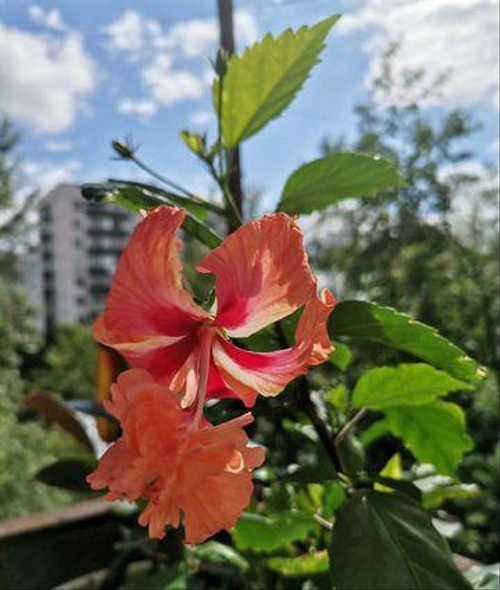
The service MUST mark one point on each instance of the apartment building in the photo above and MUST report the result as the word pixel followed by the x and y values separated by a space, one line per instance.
pixel 80 243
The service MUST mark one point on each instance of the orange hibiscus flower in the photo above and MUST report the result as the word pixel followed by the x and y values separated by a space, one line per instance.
pixel 262 275
pixel 198 473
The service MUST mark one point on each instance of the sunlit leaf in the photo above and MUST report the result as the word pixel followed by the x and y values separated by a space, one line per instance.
pixel 266 533
pixel 327 181
pixel 341 357
pixel 310 564
pixel 405 385
pixel 262 82
pixel 361 320
pixel 434 433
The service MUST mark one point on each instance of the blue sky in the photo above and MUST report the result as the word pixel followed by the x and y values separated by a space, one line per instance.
pixel 77 74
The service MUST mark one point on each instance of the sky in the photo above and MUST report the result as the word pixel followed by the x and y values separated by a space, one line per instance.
pixel 76 74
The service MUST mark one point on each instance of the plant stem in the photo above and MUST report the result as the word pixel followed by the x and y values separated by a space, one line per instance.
pixel 162 178
pixel 308 407
pixel 349 426
pixel 233 211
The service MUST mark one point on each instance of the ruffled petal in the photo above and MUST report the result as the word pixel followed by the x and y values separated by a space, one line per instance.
pixel 262 274
pixel 248 373
pixel 148 307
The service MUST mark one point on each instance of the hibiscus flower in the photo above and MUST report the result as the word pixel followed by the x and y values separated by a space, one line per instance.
pixel 262 275
pixel 200 474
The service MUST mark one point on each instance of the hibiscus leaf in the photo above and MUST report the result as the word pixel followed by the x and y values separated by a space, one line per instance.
pixel 326 181
pixel 69 473
pixel 341 356
pixel 409 551
pixel 435 433
pixel 264 534
pixel 360 320
pixel 262 82
pixel 136 198
pixel 404 385
pixel 310 564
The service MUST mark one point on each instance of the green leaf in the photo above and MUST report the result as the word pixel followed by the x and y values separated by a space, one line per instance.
pixel 393 469
pixel 310 564
pixel 437 489
pixel 386 541
pixel 484 577
pixel 361 320
pixel 434 433
pixel 341 357
pixel 69 474
pixel 195 142
pixel 405 385
pixel 266 534
pixel 262 82
pixel 337 397
pixel 215 552
pixel 135 198
pixel 326 181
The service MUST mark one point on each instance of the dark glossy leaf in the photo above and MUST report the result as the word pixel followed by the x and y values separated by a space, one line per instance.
pixel 404 385
pixel 387 542
pixel 135 198
pixel 361 320
pixel 434 433
pixel 69 474
pixel 262 82
pixel 56 411
pixel 310 564
pixel 267 533
pixel 327 181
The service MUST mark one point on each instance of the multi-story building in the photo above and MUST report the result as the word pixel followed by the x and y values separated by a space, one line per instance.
pixel 80 243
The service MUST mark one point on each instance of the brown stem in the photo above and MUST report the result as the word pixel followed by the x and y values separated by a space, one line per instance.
pixel 306 404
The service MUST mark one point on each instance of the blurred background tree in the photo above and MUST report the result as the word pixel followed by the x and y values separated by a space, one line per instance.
pixel 431 250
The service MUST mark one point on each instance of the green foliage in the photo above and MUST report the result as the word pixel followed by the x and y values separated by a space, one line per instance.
pixel 341 357
pixel 327 181
pixel 135 198
pixel 361 320
pixel 387 541
pixel 303 566
pixel 405 385
pixel 70 364
pixel 260 84
pixel 435 433
pixel 266 534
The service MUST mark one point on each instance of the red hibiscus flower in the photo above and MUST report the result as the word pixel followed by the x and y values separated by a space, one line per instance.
pixel 262 275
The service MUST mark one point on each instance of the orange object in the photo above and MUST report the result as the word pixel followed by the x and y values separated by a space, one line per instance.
pixel 199 473
pixel 109 366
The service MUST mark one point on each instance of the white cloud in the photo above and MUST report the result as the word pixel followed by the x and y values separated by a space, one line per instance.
pixel 141 108
pixel 171 66
pixel 201 118
pixel 50 19
pixel 455 37
pixel 43 79
pixel 199 37
pixel 43 175
pixel 59 146
pixel 131 32
pixel 168 86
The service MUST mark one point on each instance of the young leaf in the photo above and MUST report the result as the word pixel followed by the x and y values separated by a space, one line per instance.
pixel 393 469
pixel 405 385
pixel 434 433
pixel 341 357
pixel 262 82
pixel 215 552
pixel 361 320
pixel 265 534
pixel 409 552
pixel 326 181
pixel 135 198
pixel 310 564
